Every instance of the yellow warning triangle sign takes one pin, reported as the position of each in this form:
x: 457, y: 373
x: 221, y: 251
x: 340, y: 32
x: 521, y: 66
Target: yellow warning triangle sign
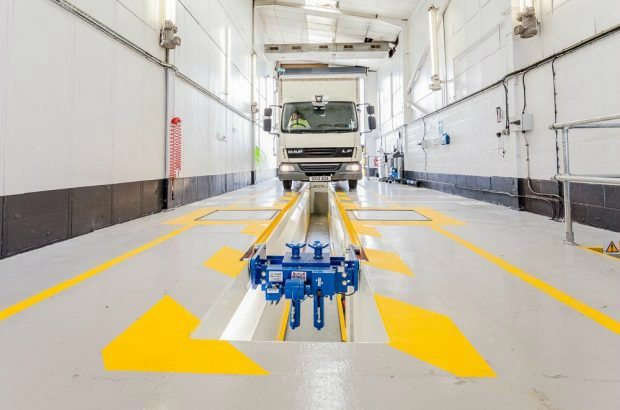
x: 612, y: 248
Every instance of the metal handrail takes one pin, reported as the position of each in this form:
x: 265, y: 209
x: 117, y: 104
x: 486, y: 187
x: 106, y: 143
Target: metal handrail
x: 587, y: 121
x: 583, y: 179
x: 566, y: 178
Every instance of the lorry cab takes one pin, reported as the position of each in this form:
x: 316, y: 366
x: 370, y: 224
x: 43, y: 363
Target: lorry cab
x: 319, y: 138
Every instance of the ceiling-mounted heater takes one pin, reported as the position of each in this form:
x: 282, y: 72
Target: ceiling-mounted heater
x: 527, y: 17
x: 435, y: 84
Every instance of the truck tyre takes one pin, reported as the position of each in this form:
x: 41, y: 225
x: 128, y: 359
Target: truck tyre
x: 288, y: 185
x: 352, y: 184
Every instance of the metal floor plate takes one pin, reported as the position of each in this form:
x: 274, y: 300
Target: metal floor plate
x: 388, y: 215
x: 242, y: 215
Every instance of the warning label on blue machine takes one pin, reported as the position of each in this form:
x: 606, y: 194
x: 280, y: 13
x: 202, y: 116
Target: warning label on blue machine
x: 275, y: 276
x: 298, y: 275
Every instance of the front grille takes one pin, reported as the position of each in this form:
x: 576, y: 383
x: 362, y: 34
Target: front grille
x: 319, y: 169
x: 320, y: 152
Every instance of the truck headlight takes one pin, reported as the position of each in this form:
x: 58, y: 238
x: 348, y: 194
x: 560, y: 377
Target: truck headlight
x: 287, y: 168
x: 354, y: 167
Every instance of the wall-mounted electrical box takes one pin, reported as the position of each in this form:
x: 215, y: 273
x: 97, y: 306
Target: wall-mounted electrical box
x: 524, y: 123
x: 527, y: 122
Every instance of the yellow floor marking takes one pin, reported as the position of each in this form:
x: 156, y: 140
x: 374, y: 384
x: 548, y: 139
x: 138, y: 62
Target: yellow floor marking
x: 55, y: 290
x: 276, y: 220
x: 343, y: 325
x: 284, y: 321
x: 387, y: 260
x: 351, y: 206
x: 348, y: 225
x: 599, y: 251
x: 362, y: 229
x: 279, y: 205
x: 226, y: 261
x: 431, y: 337
x: 255, y: 229
x: 437, y: 217
x: 190, y: 217
x: 160, y: 341
x: 433, y: 216
x: 575, y: 304
x: 193, y: 218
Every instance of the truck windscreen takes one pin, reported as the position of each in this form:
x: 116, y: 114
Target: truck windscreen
x: 319, y: 117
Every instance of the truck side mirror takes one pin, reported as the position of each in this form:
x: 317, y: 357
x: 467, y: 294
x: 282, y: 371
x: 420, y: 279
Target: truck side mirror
x: 268, y: 112
x: 267, y: 124
x: 370, y: 109
x: 372, y: 123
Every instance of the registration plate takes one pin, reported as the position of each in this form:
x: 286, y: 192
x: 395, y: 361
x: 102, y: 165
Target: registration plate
x: 321, y: 179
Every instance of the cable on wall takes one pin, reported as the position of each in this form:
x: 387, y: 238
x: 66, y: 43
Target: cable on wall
x: 524, y: 90
x: 555, y: 117
x: 424, y: 149
x: 506, y: 103
x: 557, y: 200
x: 540, y: 63
x: 550, y: 59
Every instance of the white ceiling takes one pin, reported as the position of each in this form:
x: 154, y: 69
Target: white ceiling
x: 333, y: 21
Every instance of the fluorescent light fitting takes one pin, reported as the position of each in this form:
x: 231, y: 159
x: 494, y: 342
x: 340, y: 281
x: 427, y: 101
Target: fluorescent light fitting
x: 525, y: 4
x: 326, y: 4
x: 170, y: 11
x: 228, y: 60
x: 322, y: 9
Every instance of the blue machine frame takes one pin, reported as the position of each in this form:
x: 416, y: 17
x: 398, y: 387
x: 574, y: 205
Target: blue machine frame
x: 297, y: 276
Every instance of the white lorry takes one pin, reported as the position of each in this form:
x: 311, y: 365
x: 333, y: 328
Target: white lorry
x: 319, y: 130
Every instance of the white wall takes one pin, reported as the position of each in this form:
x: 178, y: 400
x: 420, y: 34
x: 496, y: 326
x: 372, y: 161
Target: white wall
x: 371, y: 95
x: 391, y: 101
x: 264, y: 91
x: 481, y: 50
x: 78, y: 108
x: 4, y: 37
x: 216, y: 140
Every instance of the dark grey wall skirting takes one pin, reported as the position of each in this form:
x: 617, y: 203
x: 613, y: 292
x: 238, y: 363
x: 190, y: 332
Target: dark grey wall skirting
x: 32, y: 220
x: 593, y: 205
x: 265, y: 174
x: 496, y: 190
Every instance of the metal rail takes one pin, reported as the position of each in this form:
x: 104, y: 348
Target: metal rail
x: 567, y: 178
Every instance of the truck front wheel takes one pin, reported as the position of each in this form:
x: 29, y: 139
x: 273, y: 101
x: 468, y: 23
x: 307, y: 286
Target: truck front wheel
x: 289, y: 184
x: 352, y: 184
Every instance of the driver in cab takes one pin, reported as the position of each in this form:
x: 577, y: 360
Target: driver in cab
x: 297, y: 121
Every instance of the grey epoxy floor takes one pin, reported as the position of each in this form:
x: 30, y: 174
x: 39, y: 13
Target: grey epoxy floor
x: 545, y: 354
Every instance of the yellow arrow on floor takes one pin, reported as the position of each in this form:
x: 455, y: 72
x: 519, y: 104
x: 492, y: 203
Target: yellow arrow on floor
x: 387, y: 260
x: 160, y: 341
x: 431, y: 337
x: 226, y: 260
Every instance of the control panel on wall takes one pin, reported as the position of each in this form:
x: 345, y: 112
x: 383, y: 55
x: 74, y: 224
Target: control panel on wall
x: 523, y: 123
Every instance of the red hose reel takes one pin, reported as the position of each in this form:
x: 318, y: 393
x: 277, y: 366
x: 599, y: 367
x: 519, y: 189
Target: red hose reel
x: 176, y: 148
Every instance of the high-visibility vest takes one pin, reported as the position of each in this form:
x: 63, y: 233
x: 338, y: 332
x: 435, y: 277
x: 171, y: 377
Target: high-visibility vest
x: 300, y: 123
